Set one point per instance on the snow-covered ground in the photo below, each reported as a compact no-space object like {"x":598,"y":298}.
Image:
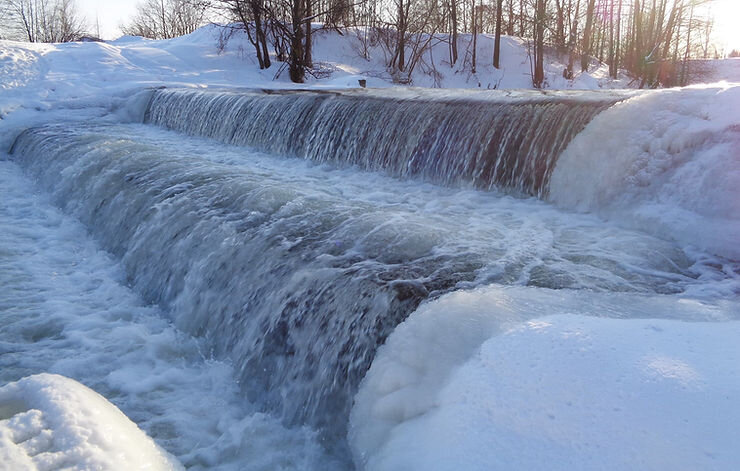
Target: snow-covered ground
{"x":547,"y":385}
{"x":94,"y":79}
{"x":714,"y":70}
{"x":491,"y":378}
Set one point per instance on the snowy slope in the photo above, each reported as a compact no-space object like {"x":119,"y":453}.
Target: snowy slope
{"x":40,"y":82}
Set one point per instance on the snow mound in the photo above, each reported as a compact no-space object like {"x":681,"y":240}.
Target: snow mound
{"x":522,"y":378}
{"x":52,"y":422}
{"x":665,"y":162}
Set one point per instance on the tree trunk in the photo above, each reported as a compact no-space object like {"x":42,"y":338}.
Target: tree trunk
{"x":297,"y":71}
{"x":586,"y":48}
{"x":612,"y":46}
{"x":510,"y":22}
{"x":539,"y":46}
{"x":401,"y":31}
{"x":307,"y":59}
{"x":474,"y":20}
{"x":618,"y":53}
{"x":522,"y":28}
{"x":572,"y":42}
{"x":453,"y":32}
{"x":263,"y":56}
{"x":560,"y":25}
{"x":497,"y":40}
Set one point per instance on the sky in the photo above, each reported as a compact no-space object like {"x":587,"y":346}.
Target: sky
{"x":727,"y":18}
{"x":112,"y":13}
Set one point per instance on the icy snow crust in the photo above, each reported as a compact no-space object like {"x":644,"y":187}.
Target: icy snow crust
{"x":666,"y":162}
{"x":52,"y":422}
{"x":518,"y":377}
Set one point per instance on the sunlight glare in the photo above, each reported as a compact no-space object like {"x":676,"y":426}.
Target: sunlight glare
{"x":726,"y":15}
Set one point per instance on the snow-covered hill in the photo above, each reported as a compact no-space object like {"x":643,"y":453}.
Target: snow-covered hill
{"x":99,"y":77}
{"x":714,"y":70}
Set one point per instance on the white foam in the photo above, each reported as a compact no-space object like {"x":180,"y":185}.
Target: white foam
{"x":521,"y":378}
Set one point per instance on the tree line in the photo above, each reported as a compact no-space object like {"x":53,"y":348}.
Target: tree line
{"x":49,"y":21}
{"x":652,"y":40}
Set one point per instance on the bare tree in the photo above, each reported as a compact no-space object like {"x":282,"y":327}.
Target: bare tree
{"x":165,"y":19}
{"x":651,"y":39}
{"x":408,"y":33}
{"x":250,"y":15}
{"x":42,"y":20}
{"x":497,"y":40}
{"x":453,"y":6}
{"x":539,"y":43}
{"x":475,"y":22}
{"x":586,"y":45}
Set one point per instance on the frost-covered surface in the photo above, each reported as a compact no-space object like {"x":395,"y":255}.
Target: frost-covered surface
{"x":515,"y":378}
{"x":666,"y":162}
{"x":52,"y":422}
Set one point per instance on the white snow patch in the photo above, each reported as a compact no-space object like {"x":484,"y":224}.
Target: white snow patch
{"x":667,"y":163}
{"x":467,"y":382}
{"x":52,"y":422}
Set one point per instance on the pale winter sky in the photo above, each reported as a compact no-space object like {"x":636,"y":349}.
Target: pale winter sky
{"x":727,"y":23}
{"x":112,"y":13}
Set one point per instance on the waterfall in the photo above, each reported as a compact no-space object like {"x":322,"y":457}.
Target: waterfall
{"x":297,"y":288}
{"x":456,"y":139}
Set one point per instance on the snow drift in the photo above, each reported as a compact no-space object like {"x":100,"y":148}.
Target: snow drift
{"x":666,"y":162}
{"x":517,"y":378}
{"x":52,"y":422}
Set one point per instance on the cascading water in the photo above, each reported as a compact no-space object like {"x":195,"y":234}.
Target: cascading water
{"x":297,"y":272}
{"x":263,"y":271}
{"x":453,"y":139}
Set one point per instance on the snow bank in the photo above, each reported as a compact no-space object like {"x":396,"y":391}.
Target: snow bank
{"x":665,"y":162}
{"x":52,"y":422}
{"x":521,"y":378}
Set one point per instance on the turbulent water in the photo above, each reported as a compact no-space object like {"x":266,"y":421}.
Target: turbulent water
{"x":295,"y":271}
